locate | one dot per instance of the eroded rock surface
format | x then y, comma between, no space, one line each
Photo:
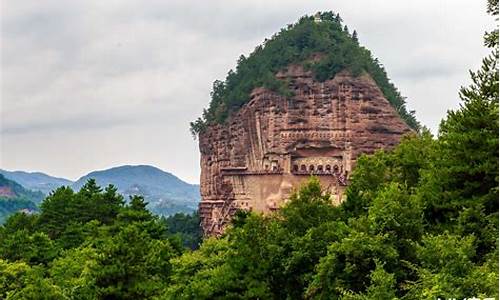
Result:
273,143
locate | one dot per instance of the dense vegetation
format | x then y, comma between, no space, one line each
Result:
14,197
90,245
297,44
186,227
419,222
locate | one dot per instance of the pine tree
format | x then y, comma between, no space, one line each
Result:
355,36
469,135
338,19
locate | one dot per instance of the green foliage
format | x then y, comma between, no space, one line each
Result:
87,245
63,210
72,272
382,286
202,274
447,268
19,221
404,165
131,265
36,248
10,277
308,207
187,228
296,44
19,281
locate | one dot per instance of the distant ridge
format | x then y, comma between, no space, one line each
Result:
166,193
36,181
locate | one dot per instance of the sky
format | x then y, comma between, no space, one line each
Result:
88,85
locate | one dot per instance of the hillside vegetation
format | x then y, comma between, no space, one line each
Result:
14,197
90,245
294,44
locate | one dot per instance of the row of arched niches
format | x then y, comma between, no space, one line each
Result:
317,169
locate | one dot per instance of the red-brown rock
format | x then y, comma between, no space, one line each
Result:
273,143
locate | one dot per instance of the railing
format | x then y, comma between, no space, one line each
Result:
257,172
341,178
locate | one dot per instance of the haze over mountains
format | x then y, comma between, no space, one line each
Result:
165,193
36,181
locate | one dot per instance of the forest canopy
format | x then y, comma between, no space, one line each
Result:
296,44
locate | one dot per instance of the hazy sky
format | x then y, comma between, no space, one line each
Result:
88,85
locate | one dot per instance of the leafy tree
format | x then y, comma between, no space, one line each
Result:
187,227
63,212
19,221
72,272
447,268
203,274
19,281
56,211
11,275
36,248
131,265
382,286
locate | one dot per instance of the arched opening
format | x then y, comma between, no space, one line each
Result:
320,168
311,168
295,168
303,168
328,169
336,169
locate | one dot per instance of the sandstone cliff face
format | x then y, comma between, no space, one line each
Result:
273,143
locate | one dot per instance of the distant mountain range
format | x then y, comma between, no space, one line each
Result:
166,193
36,181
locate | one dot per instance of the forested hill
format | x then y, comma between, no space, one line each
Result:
36,181
324,34
14,197
165,193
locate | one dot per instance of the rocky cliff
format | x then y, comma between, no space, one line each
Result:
268,147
